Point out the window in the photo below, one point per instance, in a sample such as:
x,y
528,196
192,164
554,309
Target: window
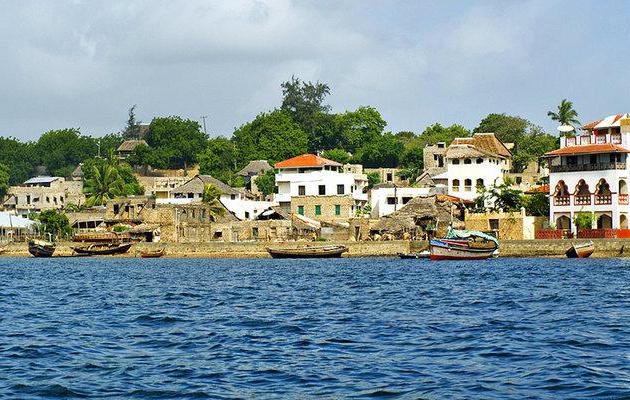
x,y
456,161
191,195
232,197
391,200
116,208
519,180
337,209
318,210
322,190
341,189
480,183
390,177
494,224
301,210
467,161
406,200
47,199
247,214
456,185
479,160
255,232
593,159
301,190
615,138
468,185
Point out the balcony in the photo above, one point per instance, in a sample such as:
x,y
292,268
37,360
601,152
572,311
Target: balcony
x,y
561,200
588,167
583,200
623,199
603,199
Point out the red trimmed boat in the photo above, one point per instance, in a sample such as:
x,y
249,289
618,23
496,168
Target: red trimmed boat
x,y
464,245
582,250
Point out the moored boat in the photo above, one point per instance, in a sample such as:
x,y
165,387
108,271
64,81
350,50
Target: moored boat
x,y
582,250
152,254
330,251
463,245
41,248
418,255
103,249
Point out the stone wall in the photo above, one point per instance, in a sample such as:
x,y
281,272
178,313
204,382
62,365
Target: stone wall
x,y
509,226
327,206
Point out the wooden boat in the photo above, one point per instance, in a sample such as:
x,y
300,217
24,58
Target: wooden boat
x,y
582,250
104,249
41,248
463,245
152,254
331,251
422,254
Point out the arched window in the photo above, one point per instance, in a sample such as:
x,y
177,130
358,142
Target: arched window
x,y
456,161
467,161
479,160
456,185
582,194
480,183
468,185
602,192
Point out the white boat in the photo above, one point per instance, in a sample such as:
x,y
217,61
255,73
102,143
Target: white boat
x,y
464,245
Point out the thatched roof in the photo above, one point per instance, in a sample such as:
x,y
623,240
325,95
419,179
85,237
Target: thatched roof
x,y
197,183
255,167
418,208
487,142
467,151
130,145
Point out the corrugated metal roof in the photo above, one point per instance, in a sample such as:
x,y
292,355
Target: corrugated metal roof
x,y
41,179
8,220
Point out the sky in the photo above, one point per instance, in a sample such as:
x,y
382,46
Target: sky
x,y
82,64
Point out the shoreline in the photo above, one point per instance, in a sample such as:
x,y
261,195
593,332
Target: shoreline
x,y
537,248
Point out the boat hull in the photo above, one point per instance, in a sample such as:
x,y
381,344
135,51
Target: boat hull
x,y
308,252
152,254
40,250
102,250
581,250
458,250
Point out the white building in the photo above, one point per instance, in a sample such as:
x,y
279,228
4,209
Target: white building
x,y
388,198
474,162
589,173
312,175
232,199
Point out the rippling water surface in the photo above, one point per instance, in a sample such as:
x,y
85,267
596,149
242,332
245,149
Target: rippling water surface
x,y
168,328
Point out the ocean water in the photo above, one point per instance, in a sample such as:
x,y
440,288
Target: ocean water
x,y
346,328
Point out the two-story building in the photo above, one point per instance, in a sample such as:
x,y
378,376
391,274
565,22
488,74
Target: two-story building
x,y
474,162
589,173
318,188
44,193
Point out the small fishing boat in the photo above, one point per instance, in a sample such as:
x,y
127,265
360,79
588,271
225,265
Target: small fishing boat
x,y
417,255
331,251
41,248
104,249
463,245
152,254
582,250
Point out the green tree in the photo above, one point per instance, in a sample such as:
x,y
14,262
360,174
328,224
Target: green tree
x,y
304,101
507,128
339,155
373,179
55,223
211,198
266,183
412,162
132,129
130,184
565,115
4,180
381,151
536,204
499,198
60,151
270,136
174,142
584,220
19,157
103,184
437,133
219,159
359,128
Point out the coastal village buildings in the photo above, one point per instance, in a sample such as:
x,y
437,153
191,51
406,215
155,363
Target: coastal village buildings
x,y
251,171
128,147
590,173
316,187
44,193
234,200
388,198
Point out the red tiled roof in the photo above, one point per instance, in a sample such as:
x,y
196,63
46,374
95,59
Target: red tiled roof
x,y
592,124
588,149
306,160
452,199
538,189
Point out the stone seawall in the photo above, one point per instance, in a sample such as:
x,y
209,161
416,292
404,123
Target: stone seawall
x,y
509,248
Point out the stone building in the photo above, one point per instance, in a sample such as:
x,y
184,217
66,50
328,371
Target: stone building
x,y
161,187
44,193
506,225
387,175
253,170
324,208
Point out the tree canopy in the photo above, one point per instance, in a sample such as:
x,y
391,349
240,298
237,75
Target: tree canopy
x,y
174,142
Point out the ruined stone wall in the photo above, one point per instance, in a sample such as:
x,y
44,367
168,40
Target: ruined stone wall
x,y
327,206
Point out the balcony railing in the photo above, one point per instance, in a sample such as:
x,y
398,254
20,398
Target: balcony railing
x,y
623,199
588,167
583,200
561,201
603,199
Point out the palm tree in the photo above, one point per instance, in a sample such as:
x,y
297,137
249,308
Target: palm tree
x,y
210,197
105,184
566,115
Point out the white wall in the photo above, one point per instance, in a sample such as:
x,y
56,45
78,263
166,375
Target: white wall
x,y
289,182
378,199
490,172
